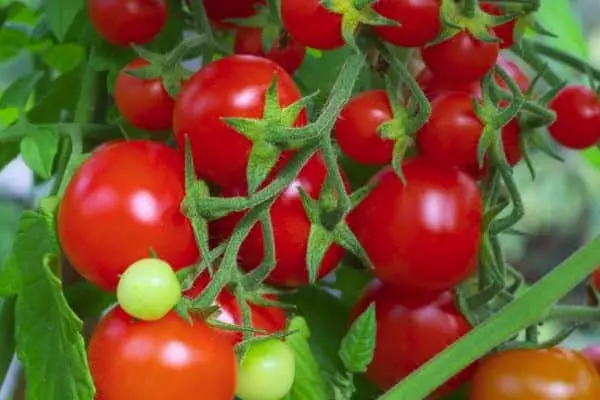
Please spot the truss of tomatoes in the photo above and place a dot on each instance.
(422, 236)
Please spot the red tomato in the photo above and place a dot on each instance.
(143, 102)
(592, 353)
(531, 374)
(270, 319)
(218, 11)
(452, 134)
(356, 129)
(596, 279)
(504, 32)
(577, 124)
(313, 25)
(122, 202)
(290, 227)
(423, 236)
(158, 360)
(233, 86)
(285, 51)
(420, 21)
(434, 87)
(122, 22)
(410, 331)
(460, 59)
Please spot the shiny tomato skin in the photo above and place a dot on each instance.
(439, 213)
(419, 19)
(452, 134)
(534, 374)
(577, 124)
(290, 56)
(232, 86)
(504, 32)
(158, 360)
(313, 25)
(218, 10)
(462, 58)
(122, 201)
(410, 331)
(143, 102)
(596, 279)
(291, 228)
(122, 22)
(356, 129)
(270, 319)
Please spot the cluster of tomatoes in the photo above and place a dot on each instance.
(122, 227)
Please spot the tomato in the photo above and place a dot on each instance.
(419, 19)
(148, 289)
(592, 353)
(123, 201)
(423, 236)
(515, 72)
(504, 32)
(532, 374)
(285, 51)
(596, 279)
(410, 331)
(143, 102)
(313, 25)
(218, 11)
(232, 86)
(270, 319)
(577, 124)
(291, 228)
(460, 59)
(452, 134)
(122, 22)
(356, 129)
(266, 372)
(157, 360)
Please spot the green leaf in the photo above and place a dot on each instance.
(8, 152)
(60, 15)
(319, 241)
(64, 57)
(9, 277)
(358, 345)
(7, 334)
(13, 42)
(58, 100)
(87, 300)
(39, 150)
(17, 94)
(49, 340)
(308, 383)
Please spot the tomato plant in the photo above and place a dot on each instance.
(221, 11)
(577, 124)
(312, 24)
(420, 21)
(181, 359)
(233, 86)
(538, 375)
(505, 32)
(439, 213)
(130, 193)
(129, 21)
(143, 102)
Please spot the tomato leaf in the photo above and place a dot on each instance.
(60, 15)
(39, 150)
(49, 342)
(64, 57)
(88, 300)
(7, 334)
(358, 345)
(9, 277)
(17, 94)
(308, 383)
(13, 41)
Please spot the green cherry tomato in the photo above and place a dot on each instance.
(266, 372)
(148, 289)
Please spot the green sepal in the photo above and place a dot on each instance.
(152, 57)
(172, 84)
(151, 71)
(253, 129)
(319, 241)
(344, 236)
(400, 147)
(489, 137)
(263, 158)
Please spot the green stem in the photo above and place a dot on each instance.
(469, 7)
(528, 309)
(61, 164)
(575, 313)
(565, 58)
(335, 174)
(254, 279)
(89, 131)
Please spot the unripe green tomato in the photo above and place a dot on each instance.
(148, 289)
(266, 372)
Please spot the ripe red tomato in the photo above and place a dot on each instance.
(291, 228)
(548, 374)
(270, 319)
(356, 128)
(420, 21)
(504, 32)
(462, 58)
(313, 25)
(577, 124)
(410, 331)
(423, 236)
(232, 86)
(122, 202)
(157, 360)
(122, 22)
(219, 11)
(143, 102)
(285, 51)
(592, 353)
(596, 279)
(452, 134)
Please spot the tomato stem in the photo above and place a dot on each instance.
(564, 57)
(469, 8)
(258, 276)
